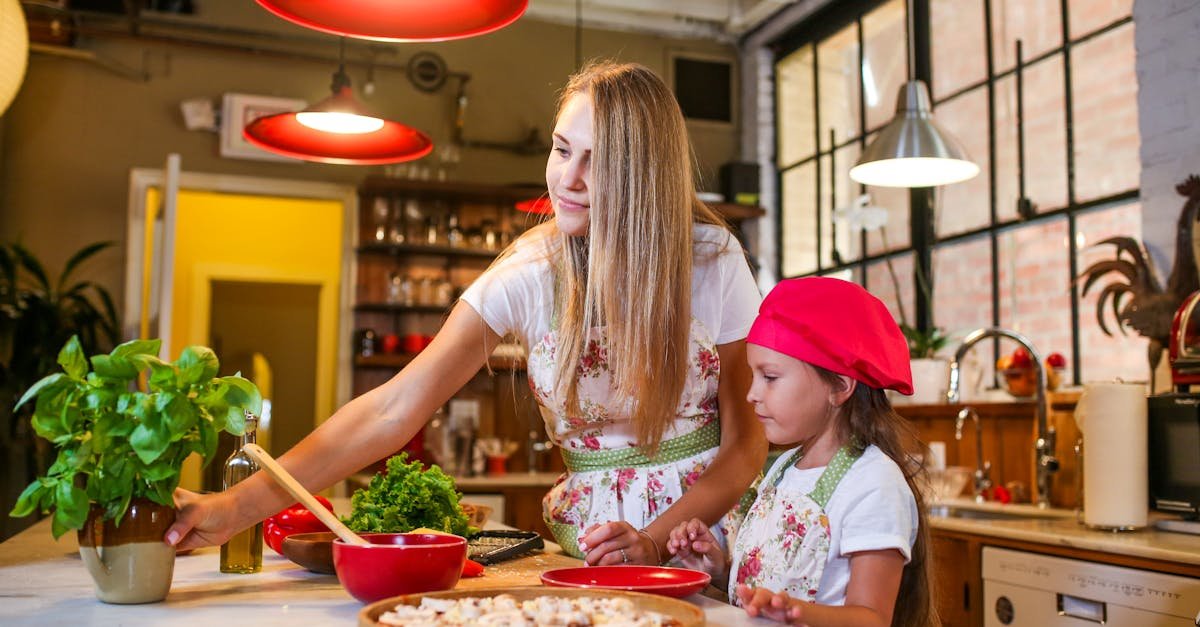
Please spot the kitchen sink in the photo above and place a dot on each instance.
(996, 512)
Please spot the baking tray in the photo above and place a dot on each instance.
(490, 547)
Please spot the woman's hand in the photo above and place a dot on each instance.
(202, 520)
(694, 545)
(775, 606)
(617, 543)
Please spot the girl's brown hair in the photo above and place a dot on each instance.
(868, 418)
(631, 273)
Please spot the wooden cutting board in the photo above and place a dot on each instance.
(522, 571)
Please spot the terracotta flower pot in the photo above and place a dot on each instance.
(129, 563)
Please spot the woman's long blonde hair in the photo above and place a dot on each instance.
(632, 272)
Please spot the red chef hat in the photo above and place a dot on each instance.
(838, 326)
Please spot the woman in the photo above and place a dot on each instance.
(629, 302)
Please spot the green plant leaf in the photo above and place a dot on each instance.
(46, 384)
(138, 347)
(243, 393)
(33, 266)
(118, 509)
(149, 443)
(158, 472)
(164, 492)
(72, 503)
(179, 416)
(163, 377)
(28, 501)
(197, 364)
(59, 524)
(208, 441)
(235, 421)
(114, 367)
(79, 257)
(48, 426)
(72, 360)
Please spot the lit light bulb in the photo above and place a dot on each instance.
(913, 172)
(339, 122)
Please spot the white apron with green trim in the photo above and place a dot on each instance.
(608, 478)
(783, 542)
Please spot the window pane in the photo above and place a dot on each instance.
(799, 236)
(1045, 139)
(957, 34)
(852, 274)
(845, 235)
(1035, 286)
(838, 85)
(1088, 15)
(895, 234)
(796, 120)
(1104, 88)
(885, 61)
(962, 285)
(1037, 23)
(882, 282)
(1104, 356)
(965, 206)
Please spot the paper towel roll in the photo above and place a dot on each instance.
(1112, 417)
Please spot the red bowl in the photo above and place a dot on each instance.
(399, 563)
(671, 582)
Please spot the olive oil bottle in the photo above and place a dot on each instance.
(243, 552)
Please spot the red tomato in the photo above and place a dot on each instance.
(1056, 360)
(1021, 359)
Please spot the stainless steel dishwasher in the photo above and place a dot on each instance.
(1030, 589)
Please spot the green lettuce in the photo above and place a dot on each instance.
(408, 496)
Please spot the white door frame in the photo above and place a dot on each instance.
(142, 179)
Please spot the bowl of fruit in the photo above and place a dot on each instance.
(1020, 377)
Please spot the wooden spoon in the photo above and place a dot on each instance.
(289, 483)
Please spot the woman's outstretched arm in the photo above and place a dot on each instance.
(364, 430)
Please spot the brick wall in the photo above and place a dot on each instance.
(1168, 72)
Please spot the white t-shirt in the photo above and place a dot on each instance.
(871, 509)
(517, 294)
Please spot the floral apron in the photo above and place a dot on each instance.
(783, 542)
(608, 478)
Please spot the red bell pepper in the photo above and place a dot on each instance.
(472, 568)
(294, 519)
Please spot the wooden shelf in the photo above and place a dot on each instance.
(424, 249)
(397, 308)
(734, 212)
(396, 361)
(449, 190)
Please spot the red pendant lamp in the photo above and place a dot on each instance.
(400, 20)
(338, 130)
(539, 205)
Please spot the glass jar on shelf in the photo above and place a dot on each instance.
(443, 293)
(379, 219)
(414, 221)
(454, 234)
(396, 228)
(425, 291)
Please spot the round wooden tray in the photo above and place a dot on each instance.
(687, 614)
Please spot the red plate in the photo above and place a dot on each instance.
(671, 582)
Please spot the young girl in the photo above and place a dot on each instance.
(837, 532)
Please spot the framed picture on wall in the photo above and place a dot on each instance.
(238, 110)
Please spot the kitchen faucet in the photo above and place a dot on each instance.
(983, 470)
(1046, 463)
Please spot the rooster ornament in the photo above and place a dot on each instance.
(1138, 299)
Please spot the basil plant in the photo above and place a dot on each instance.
(123, 427)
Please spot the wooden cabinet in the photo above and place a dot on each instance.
(954, 579)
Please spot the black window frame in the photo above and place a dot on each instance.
(922, 236)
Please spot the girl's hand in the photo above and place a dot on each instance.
(616, 543)
(202, 520)
(693, 544)
(775, 606)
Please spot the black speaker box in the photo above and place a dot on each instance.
(739, 182)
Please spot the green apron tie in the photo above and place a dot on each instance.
(673, 450)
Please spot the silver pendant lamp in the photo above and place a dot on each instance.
(912, 150)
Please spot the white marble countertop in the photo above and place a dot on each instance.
(1059, 527)
(43, 582)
